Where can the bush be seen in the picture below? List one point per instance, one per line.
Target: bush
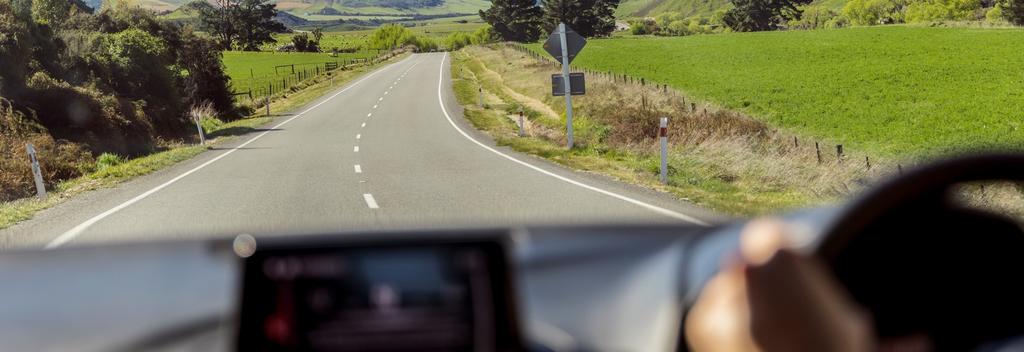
(872, 12)
(815, 17)
(995, 14)
(106, 160)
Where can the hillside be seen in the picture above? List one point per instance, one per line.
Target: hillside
(306, 8)
(650, 8)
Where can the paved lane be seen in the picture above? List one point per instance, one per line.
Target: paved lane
(388, 151)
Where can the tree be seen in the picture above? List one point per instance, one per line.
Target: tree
(318, 33)
(245, 23)
(515, 20)
(1013, 11)
(256, 24)
(589, 18)
(761, 15)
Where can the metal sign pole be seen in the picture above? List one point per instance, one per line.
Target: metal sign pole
(199, 126)
(37, 173)
(565, 78)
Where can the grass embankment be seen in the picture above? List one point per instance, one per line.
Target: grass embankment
(110, 175)
(719, 159)
(892, 91)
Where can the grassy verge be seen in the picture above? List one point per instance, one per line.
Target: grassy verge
(732, 168)
(23, 209)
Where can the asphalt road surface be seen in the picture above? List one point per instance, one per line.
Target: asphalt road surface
(390, 150)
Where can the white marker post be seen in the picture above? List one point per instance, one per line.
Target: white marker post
(565, 78)
(37, 173)
(199, 126)
(663, 134)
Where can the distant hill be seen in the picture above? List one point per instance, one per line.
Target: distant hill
(651, 8)
(347, 7)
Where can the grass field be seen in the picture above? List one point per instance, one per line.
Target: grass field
(255, 69)
(890, 90)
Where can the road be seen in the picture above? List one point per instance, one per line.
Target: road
(390, 150)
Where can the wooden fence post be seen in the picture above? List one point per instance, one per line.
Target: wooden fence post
(839, 153)
(817, 149)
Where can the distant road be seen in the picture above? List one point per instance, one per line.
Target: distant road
(388, 151)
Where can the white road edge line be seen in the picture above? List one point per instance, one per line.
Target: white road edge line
(648, 206)
(370, 202)
(359, 169)
(77, 230)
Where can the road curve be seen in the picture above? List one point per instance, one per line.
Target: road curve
(388, 151)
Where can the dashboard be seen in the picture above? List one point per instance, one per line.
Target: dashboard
(596, 288)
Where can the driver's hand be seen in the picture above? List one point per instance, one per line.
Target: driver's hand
(772, 299)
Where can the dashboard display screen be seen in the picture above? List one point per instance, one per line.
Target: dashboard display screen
(441, 297)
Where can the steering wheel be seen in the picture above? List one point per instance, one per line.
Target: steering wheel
(922, 263)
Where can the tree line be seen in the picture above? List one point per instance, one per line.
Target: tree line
(526, 20)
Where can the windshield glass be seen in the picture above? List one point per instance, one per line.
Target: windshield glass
(139, 121)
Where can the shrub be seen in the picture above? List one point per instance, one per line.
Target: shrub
(106, 160)
(995, 14)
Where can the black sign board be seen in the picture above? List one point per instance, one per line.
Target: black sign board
(573, 41)
(577, 84)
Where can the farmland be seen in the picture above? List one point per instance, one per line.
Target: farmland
(256, 69)
(892, 90)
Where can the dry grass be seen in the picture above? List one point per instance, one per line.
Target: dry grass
(719, 157)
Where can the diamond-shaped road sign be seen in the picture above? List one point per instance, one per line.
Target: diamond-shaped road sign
(573, 41)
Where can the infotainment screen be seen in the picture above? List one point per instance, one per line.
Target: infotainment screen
(394, 297)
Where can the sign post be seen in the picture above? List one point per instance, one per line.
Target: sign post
(199, 126)
(663, 134)
(564, 44)
(37, 173)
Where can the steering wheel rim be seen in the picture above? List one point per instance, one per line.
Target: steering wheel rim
(926, 182)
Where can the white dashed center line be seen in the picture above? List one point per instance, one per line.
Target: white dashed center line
(386, 93)
(359, 169)
(375, 106)
(363, 125)
(370, 202)
(358, 136)
(381, 99)
(356, 149)
(370, 114)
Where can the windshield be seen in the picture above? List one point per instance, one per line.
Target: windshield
(126, 121)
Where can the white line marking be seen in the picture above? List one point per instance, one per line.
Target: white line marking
(358, 136)
(381, 99)
(77, 230)
(375, 106)
(363, 125)
(359, 169)
(391, 87)
(370, 202)
(370, 114)
(651, 207)
(386, 93)
(355, 149)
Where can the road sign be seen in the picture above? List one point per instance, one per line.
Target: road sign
(577, 84)
(573, 43)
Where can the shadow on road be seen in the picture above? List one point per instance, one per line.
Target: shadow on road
(237, 131)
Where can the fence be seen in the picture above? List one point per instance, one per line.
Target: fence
(841, 155)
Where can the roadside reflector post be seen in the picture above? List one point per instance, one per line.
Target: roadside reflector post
(522, 131)
(663, 134)
(37, 173)
(199, 127)
(267, 98)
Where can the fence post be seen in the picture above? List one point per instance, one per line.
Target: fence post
(839, 153)
(663, 134)
(817, 149)
(796, 142)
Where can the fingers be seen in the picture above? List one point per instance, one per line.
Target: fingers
(794, 303)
